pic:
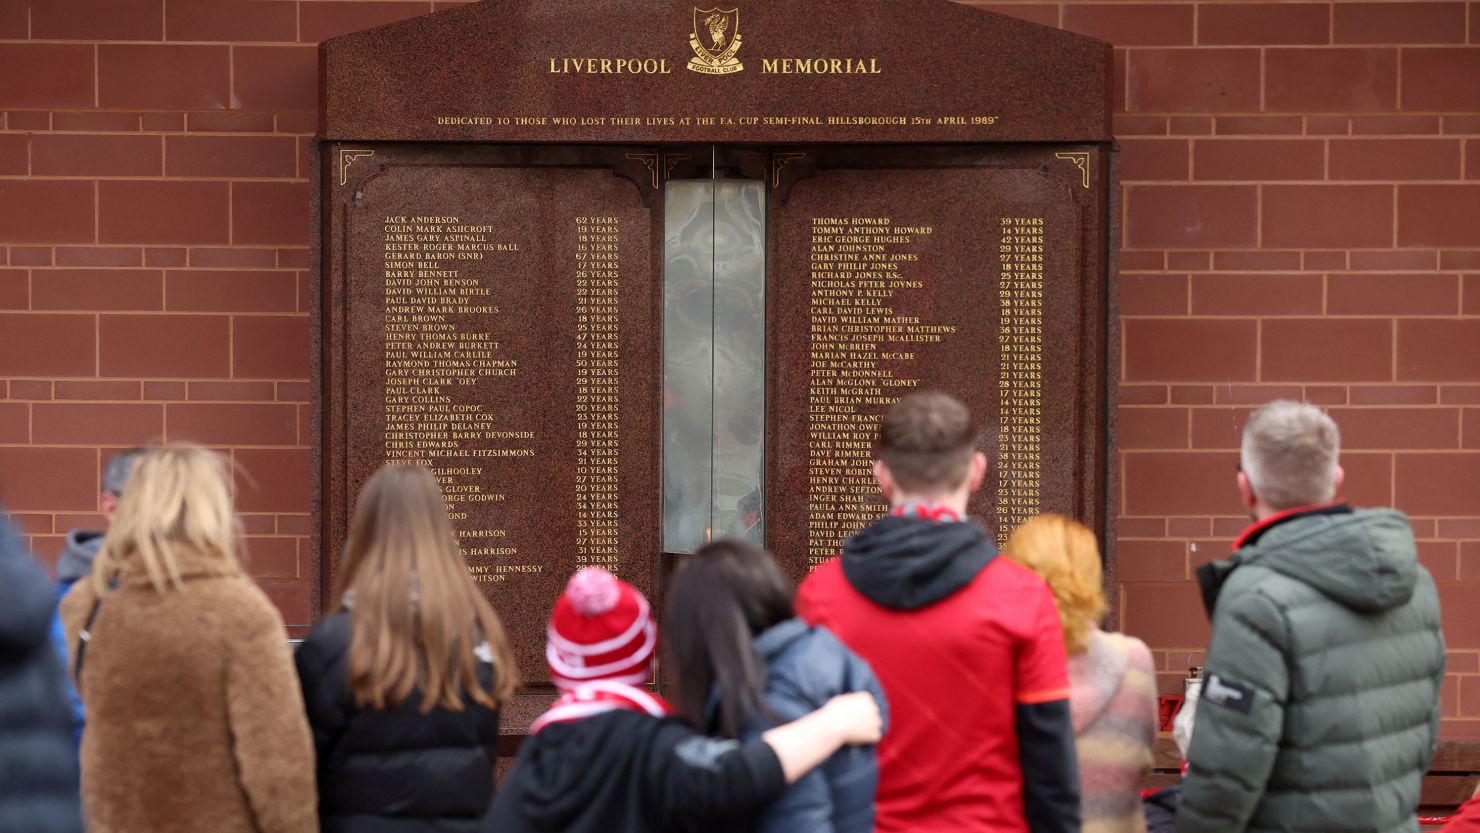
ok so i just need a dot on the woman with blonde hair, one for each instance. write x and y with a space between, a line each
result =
404 679
1112 679
195 721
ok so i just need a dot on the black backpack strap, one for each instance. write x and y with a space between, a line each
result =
84 638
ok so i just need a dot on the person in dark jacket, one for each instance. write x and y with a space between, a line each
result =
743 663
1320 705
403 681
38 760
959 637
609 755
78 553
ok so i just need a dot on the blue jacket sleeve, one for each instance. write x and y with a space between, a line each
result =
59 639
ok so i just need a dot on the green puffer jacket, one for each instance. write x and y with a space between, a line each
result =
1320 708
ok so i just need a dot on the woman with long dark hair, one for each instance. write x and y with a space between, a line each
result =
742 662
404 679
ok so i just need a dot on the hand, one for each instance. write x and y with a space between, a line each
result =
856 717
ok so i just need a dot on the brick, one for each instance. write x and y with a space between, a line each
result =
1471 290
1190 125
1192 216
1405 23
295 525
15 289
1191 395
49 479
230 391
1439 215
1324 261
1147 159
1143 428
1369 479
1194 80
233 258
1327 125
233 424
321 21
163 212
51 75
69 346
30 255
15 423
1326 350
164 345
1261 261
1214 428
1390 261
50 211
1263 24
1152 294
1143 394
1448 394
29 389
1158 612
305 123
1438 350
1397 428
1213 350
271 557
1331 80
1472 159
270 347
200 290
276 77
98 256
1441 79
1462 123
1326 216
165 257
1257 294
1140 527
273 213
1125 124
1189 527
97 289
1389 159
1394 394
96 121
1394 125
293 259
77 155
1438 484
1470 428
257 524
1325 394
1459 528
1462 662
15 154
1131 24
15 19
1042 15
1134 261
73 423
1390 294
293 600
231 20
164 390
164 76
294 392
1258 125
22 120
162 122
1259 159
91 389
1256 394
1461 626
230 121
1423 528
1142 561
91 20
230 156
1194 261
273 480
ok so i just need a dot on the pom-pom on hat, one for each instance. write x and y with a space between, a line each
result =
601 629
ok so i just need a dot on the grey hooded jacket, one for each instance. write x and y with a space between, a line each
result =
1321 705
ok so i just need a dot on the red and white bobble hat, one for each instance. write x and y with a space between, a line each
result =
601 629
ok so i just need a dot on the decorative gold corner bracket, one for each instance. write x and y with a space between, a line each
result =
1081 161
347 157
649 161
660 165
779 161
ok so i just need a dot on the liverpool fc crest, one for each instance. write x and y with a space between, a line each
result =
715 41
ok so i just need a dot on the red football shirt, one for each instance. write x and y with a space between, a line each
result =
953 672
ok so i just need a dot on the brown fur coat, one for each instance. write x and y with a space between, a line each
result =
195 720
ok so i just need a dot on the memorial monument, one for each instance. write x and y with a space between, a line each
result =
629 276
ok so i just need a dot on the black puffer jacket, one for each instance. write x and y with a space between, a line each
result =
393 770
38 760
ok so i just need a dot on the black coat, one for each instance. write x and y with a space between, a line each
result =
625 772
38 758
393 770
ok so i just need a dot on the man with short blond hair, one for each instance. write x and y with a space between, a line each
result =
1320 705
968 646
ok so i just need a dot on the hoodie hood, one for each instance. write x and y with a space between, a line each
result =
77 555
908 563
1365 559
559 784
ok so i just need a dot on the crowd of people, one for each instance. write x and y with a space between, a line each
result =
921 681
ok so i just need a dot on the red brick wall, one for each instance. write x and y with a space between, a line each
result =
1302 218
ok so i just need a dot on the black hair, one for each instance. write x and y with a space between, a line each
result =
719 600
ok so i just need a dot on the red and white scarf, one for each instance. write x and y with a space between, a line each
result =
600 696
